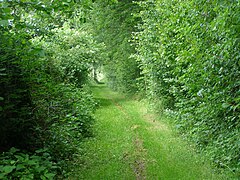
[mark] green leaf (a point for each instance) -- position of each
(31, 162)
(27, 177)
(7, 10)
(40, 168)
(2, 176)
(20, 158)
(8, 169)
(12, 162)
(20, 166)
(4, 23)
(225, 105)
(13, 150)
(65, 3)
(49, 175)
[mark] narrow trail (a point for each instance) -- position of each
(132, 143)
(138, 165)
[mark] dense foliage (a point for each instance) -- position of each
(17, 165)
(113, 24)
(183, 55)
(189, 57)
(44, 105)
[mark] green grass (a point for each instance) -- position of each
(132, 143)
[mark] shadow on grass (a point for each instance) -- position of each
(99, 86)
(104, 102)
(105, 98)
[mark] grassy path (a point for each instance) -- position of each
(131, 143)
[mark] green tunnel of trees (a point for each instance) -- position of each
(182, 55)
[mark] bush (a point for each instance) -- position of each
(70, 120)
(18, 165)
(188, 54)
(44, 66)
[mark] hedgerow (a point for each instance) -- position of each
(189, 56)
(45, 104)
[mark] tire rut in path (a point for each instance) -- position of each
(138, 163)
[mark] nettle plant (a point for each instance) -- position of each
(18, 165)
